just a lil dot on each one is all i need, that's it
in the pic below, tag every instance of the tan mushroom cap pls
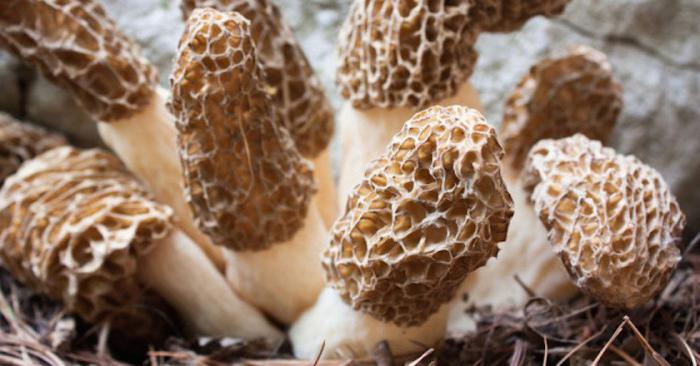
(75, 44)
(429, 211)
(298, 95)
(72, 226)
(245, 181)
(612, 219)
(20, 142)
(574, 92)
(395, 53)
(511, 15)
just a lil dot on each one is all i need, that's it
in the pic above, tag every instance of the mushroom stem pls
(526, 253)
(147, 144)
(349, 332)
(180, 272)
(366, 133)
(282, 280)
(325, 199)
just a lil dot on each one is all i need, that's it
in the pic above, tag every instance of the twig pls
(655, 355)
(685, 345)
(421, 358)
(609, 342)
(625, 356)
(579, 346)
(546, 351)
(320, 352)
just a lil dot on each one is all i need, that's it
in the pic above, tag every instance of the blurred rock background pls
(654, 47)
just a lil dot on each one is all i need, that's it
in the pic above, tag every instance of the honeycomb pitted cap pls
(75, 44)
(300, 100)
(612, 220)
(430, 210)
(510, 15)
(246, 183)
(73, 224)
(397, 53)
(20, 142)
(574, 92)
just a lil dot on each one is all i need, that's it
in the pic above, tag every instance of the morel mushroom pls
(429, 211)
(397, 55)
(572, 92)
(20, 142)
(299, 99)
(511, 15)
(77, 226)
(246, 182)
(75, 44)
(612, 219)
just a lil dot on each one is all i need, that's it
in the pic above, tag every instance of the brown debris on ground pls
(35, 330)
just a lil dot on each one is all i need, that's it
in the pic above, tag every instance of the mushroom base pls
(285, 279)
(348, 333)
(525, 253)
(147, 144)
(179, 271)
(325, 199)
(365, 135)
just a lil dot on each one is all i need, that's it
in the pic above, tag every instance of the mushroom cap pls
(297, 93)
(510, 15)
(20, 142)
(574, 92)
(612, 219)
(75, 44)
(246, 183)
(430, 210)
(395, 53)
(73, 224)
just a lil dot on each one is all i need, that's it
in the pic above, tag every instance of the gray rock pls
(11, 96)
(50, 106)
(654, 49)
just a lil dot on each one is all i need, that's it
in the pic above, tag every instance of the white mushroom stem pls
(179, 271)
(325, 199)
(526, 253)
(285, 279)
(347, 333)
(147, 144)
(365, 134)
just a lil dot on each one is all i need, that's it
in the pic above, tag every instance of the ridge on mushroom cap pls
(298, 95)
(245, 181)
(76, 45)
(20, 142)
(511, 15)
(574, 92)
(395, 53)
(612, 219)
(72, 224)
(430, 210)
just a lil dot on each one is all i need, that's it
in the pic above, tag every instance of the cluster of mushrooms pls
(218, 196)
